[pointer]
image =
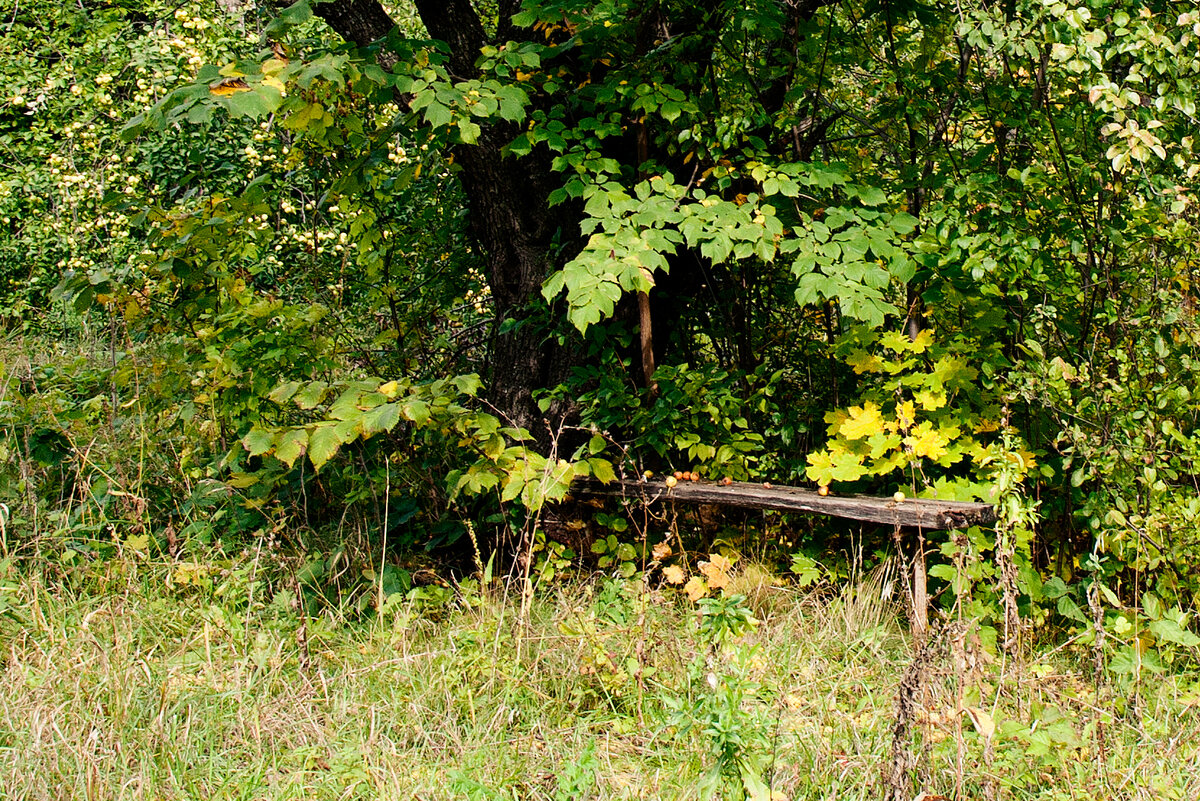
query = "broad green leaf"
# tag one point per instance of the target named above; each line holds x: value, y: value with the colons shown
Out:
x: 312, y: 395
x: 284, y: 392
x: 291, y: 445
x: 602, y: 469
x: 381, y: 418
x: 258, y: 441
x: 323, y: 443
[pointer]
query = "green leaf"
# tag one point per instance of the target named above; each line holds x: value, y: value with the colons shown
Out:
x: 1167, y: 630
x: 291, y: 445
x: 417, y: 411
x: 1070, y: 610
x: 312, y: 395
x: 323, y: 443
x: 296, y: 13
x: 438, y: 115
x: 284, y: 392
x: 258, y: 441
x: 872, y: 196
x: 468, y: 131
x: 257, y: 103
x: 602, y: 469
x: 903, y: 222
x: 1054, y: 587
x: 381, y: 418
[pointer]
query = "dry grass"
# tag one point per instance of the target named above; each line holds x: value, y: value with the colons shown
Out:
x: 121, y: 689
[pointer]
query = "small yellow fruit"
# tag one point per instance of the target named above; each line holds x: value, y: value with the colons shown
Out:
x: 649, y: 474
x: 822, y: 491
x: 671, y: 481
x: 898, y: 497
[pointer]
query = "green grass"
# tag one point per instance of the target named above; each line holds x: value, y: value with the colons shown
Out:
x: 119, y: 683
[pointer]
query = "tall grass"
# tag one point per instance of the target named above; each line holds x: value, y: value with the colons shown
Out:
x: 116, y: 686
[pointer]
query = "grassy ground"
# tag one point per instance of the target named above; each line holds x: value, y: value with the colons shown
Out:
x: 138, y: 680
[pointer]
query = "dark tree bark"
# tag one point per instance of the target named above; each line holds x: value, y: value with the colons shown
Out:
x: 509, y: 213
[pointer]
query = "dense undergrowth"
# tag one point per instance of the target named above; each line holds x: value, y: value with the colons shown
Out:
x: 168, y: 633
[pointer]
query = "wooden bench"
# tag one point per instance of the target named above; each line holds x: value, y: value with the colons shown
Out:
x: 920, y: 513
x: 916, y: 515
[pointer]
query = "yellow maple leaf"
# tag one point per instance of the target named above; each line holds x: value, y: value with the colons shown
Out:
x: 906, y: 415
x: 1022, y: 458
x: 695, y: 588
x: 922, y: 341
x: 931, y: 399
x: 864, y: 362
x: 925, y: 442
x: 673, y: 574
x: 864, y: 421
x: 722, y: 562
x: 820, y: 468
x: 835, y: 419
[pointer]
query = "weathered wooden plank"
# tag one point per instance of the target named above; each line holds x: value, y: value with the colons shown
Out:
x: 915, y: 512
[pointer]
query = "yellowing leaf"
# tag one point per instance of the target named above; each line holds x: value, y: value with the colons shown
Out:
x: 602, y: 469
x: 930, y: 399
x: 323, y: 443
x: 984, y: 724
x: 673, y: 574
x: 695, y: 588
x: 847, y: 466
x: 925, y: 442
x: 951, y: 368
x: 895, y: 341
x: 906, y: 415
x: 389, y: 389
x: 258, y: 441
x: 290, y: 445
x: 835, y: 420
x: 820, y: 468
x: 922, y: 341
x: 986, y: 425
x: 1022, y: 458
x: 661, y: 552
x: 228, y: 86
x: 864, y: 362
x: 881, y: 443
x: 864, y: 421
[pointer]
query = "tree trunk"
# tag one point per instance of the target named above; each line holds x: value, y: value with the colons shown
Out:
x: 509, y: 215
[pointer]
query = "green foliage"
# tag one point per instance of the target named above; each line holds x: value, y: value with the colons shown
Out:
x: 722, y: 707
x: 694, y: 416
x: 296, y: 246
